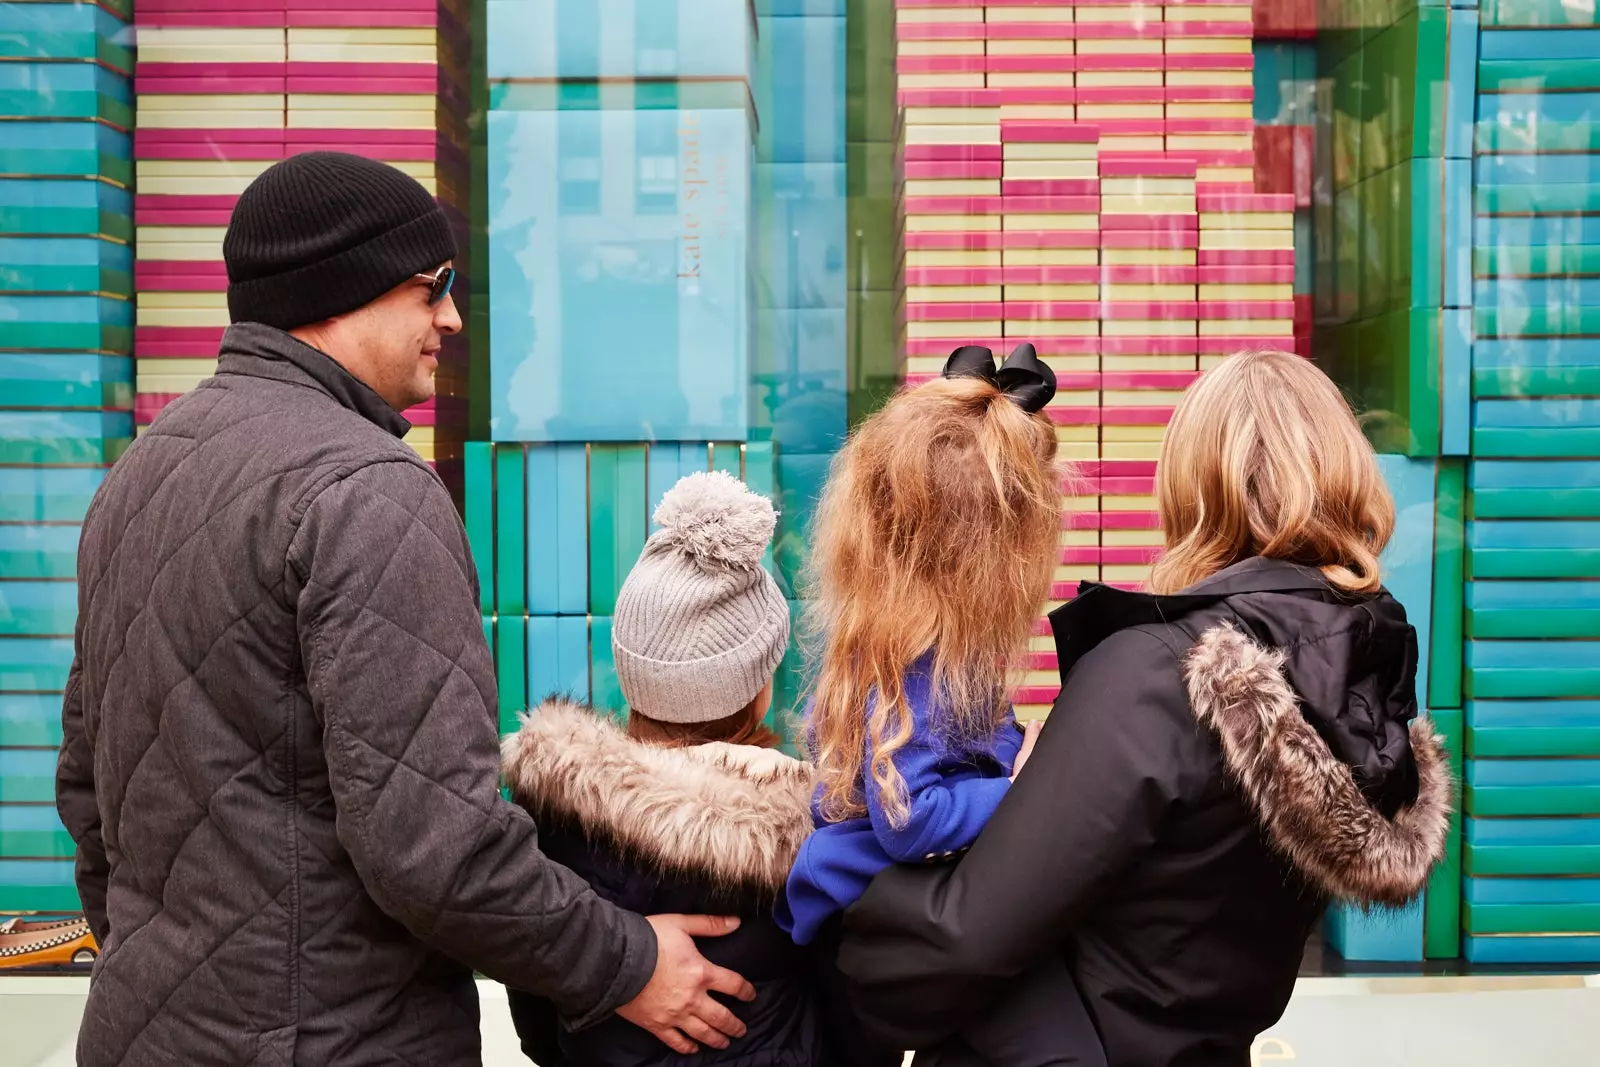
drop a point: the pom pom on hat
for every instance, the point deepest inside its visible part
(714, 518)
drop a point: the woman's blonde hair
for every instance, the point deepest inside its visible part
(937, 531)
(1264, 458)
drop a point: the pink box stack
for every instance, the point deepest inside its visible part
(1079, 175)
(227, 87)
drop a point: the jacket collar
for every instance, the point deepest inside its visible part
(1100, 610)
(733, 815)
(257, 351)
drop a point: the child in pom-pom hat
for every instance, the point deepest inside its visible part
(688, 809)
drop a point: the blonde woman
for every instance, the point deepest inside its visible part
(933, 553)
(1229, 753)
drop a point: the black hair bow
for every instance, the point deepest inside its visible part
(1023, 377)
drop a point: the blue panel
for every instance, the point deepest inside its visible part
(800, 93)
(65, 309)
(64, 193)
(1511, 533)
(1458, 233)
(1531, 949)
(558, 542)
(34, 665)
(29, 551)
(800, 235)
(1534, 772)
(61, 136)
(1536, 230)
(583, 237)
(1558, 832)
(50, 78)
(801, 378)
(665, 465)
(1529, 108)
(1537, 352)
(31, 718)
(61, 18)
(38, 607)
(1533, 890)
(1536, 292)
(1519, 594)
(1538, 413)
(802, 7)
(1461, 84)
(1382, 934)
(1407, 562)
(1565, 43)
(1539, 169)
(35, 494)
(572, 531)
(64, 251)
(542, 538)
(558, 657)
(557, 531)
(572, 654)
(1455, 384)
(1534, 474)
(800, 482)
(651, 38)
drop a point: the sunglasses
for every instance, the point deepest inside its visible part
(439, 283)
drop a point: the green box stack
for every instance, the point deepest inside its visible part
(1532, 663)
(66, 386)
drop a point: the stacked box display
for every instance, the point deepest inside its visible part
(554, 530)
(1532, 778)
(66, 386)
(226, 88)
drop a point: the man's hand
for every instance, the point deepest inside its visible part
(1030, 737)
(676, 1005)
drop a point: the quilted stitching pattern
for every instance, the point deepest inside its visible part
(281, 762)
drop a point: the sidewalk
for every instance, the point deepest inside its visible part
(1332, 1022)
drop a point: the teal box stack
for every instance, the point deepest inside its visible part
(1393, 302)
(1532, 668)
(554, 531)
(66, 385)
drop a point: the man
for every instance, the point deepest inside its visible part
(280, 761)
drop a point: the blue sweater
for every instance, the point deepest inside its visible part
(951, 790)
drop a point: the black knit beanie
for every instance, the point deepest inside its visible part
(323, 233)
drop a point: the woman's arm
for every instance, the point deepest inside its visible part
(928, 948)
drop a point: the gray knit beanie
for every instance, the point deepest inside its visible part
(700, 624)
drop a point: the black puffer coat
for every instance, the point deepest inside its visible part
(711, 829)
(1218, 766)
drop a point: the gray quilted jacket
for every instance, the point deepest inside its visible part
(280, 761)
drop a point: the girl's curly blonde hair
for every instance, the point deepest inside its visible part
(938, 531)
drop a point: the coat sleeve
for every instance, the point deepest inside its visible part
(943, 814)
(926, 949)
(79, 809)
(402, 683)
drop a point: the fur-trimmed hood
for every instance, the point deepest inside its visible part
(1307, 799)
(733, 815)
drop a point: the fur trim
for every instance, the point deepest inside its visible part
(1306, 799)
(733, 814)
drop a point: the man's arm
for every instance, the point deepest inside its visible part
(80, 809)
(402, 682)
